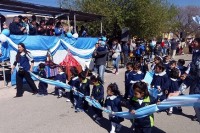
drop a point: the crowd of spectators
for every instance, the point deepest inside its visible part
(52, 27)
(138, 48)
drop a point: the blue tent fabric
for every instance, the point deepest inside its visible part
(5, 51)
(82, 48)
(47, 43)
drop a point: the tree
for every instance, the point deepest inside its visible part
(185, 23)
(144, 18)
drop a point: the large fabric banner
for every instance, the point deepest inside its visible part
(186, 100)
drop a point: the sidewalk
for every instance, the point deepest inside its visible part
(32, 114)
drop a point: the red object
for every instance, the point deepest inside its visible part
(69, 62)
(162, 44)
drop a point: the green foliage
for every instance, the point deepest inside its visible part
(144, 18)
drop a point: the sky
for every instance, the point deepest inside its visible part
(54, 3)
(175, 2)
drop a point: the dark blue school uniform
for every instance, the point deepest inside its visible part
(161, 80)
(182, 69)
(74, 82)
(142, 125)
(144, 68)
(166, 65)
(24, 66)
(173, 85)
(126, 84)
(134, 76)
(168, 71)
(114, 103)
(98, 94)
(62, 78)
(85, 89)
(42, 86)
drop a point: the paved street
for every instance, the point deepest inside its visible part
(32, 114)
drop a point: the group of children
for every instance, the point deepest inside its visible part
(167, 79)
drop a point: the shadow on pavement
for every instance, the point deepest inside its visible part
(106, 124)
(157, 130)
(177, 112)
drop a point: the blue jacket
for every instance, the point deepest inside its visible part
(195, 73)
(144, 122)
(42, 73)
(61, 77)
(125, 48)
(161, 80)
(127, 78)
(134, 76)
(85, 87)
(101, 55)
(114, 103)
(173, 85)
(195, 64)
(23, 61)
(42, 85)
(75, 82)
(140, 49)
(15, 29)
(182, 69)
(98, 92)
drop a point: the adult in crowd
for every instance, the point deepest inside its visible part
(42, 28)
(116, 49)
(173, 48)
(16, 28)
(26, 23)
(50, 27)
(165, 46)
(23, 58)
(125, 52)
(100, 56)
(194, 75)
(83, 32)
(33, 28)
(152, 44)
(132, 49)
(3, 22)
(59, 29)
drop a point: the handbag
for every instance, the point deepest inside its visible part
(115, 55)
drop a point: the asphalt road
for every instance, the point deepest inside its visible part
(32, 114)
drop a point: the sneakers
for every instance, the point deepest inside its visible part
(67, 100)
(169, 113)
(94, 116)
(40, 95)
(179, 109)
(78, 110)
(116, 73)
(59, 96)
(98, 118)
(118, 128)
(194, 118)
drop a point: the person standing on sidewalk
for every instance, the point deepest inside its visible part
(194, 75)
(100, 56)
(116, 49)
(125, 51)
(173, 48)
(23, 58)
